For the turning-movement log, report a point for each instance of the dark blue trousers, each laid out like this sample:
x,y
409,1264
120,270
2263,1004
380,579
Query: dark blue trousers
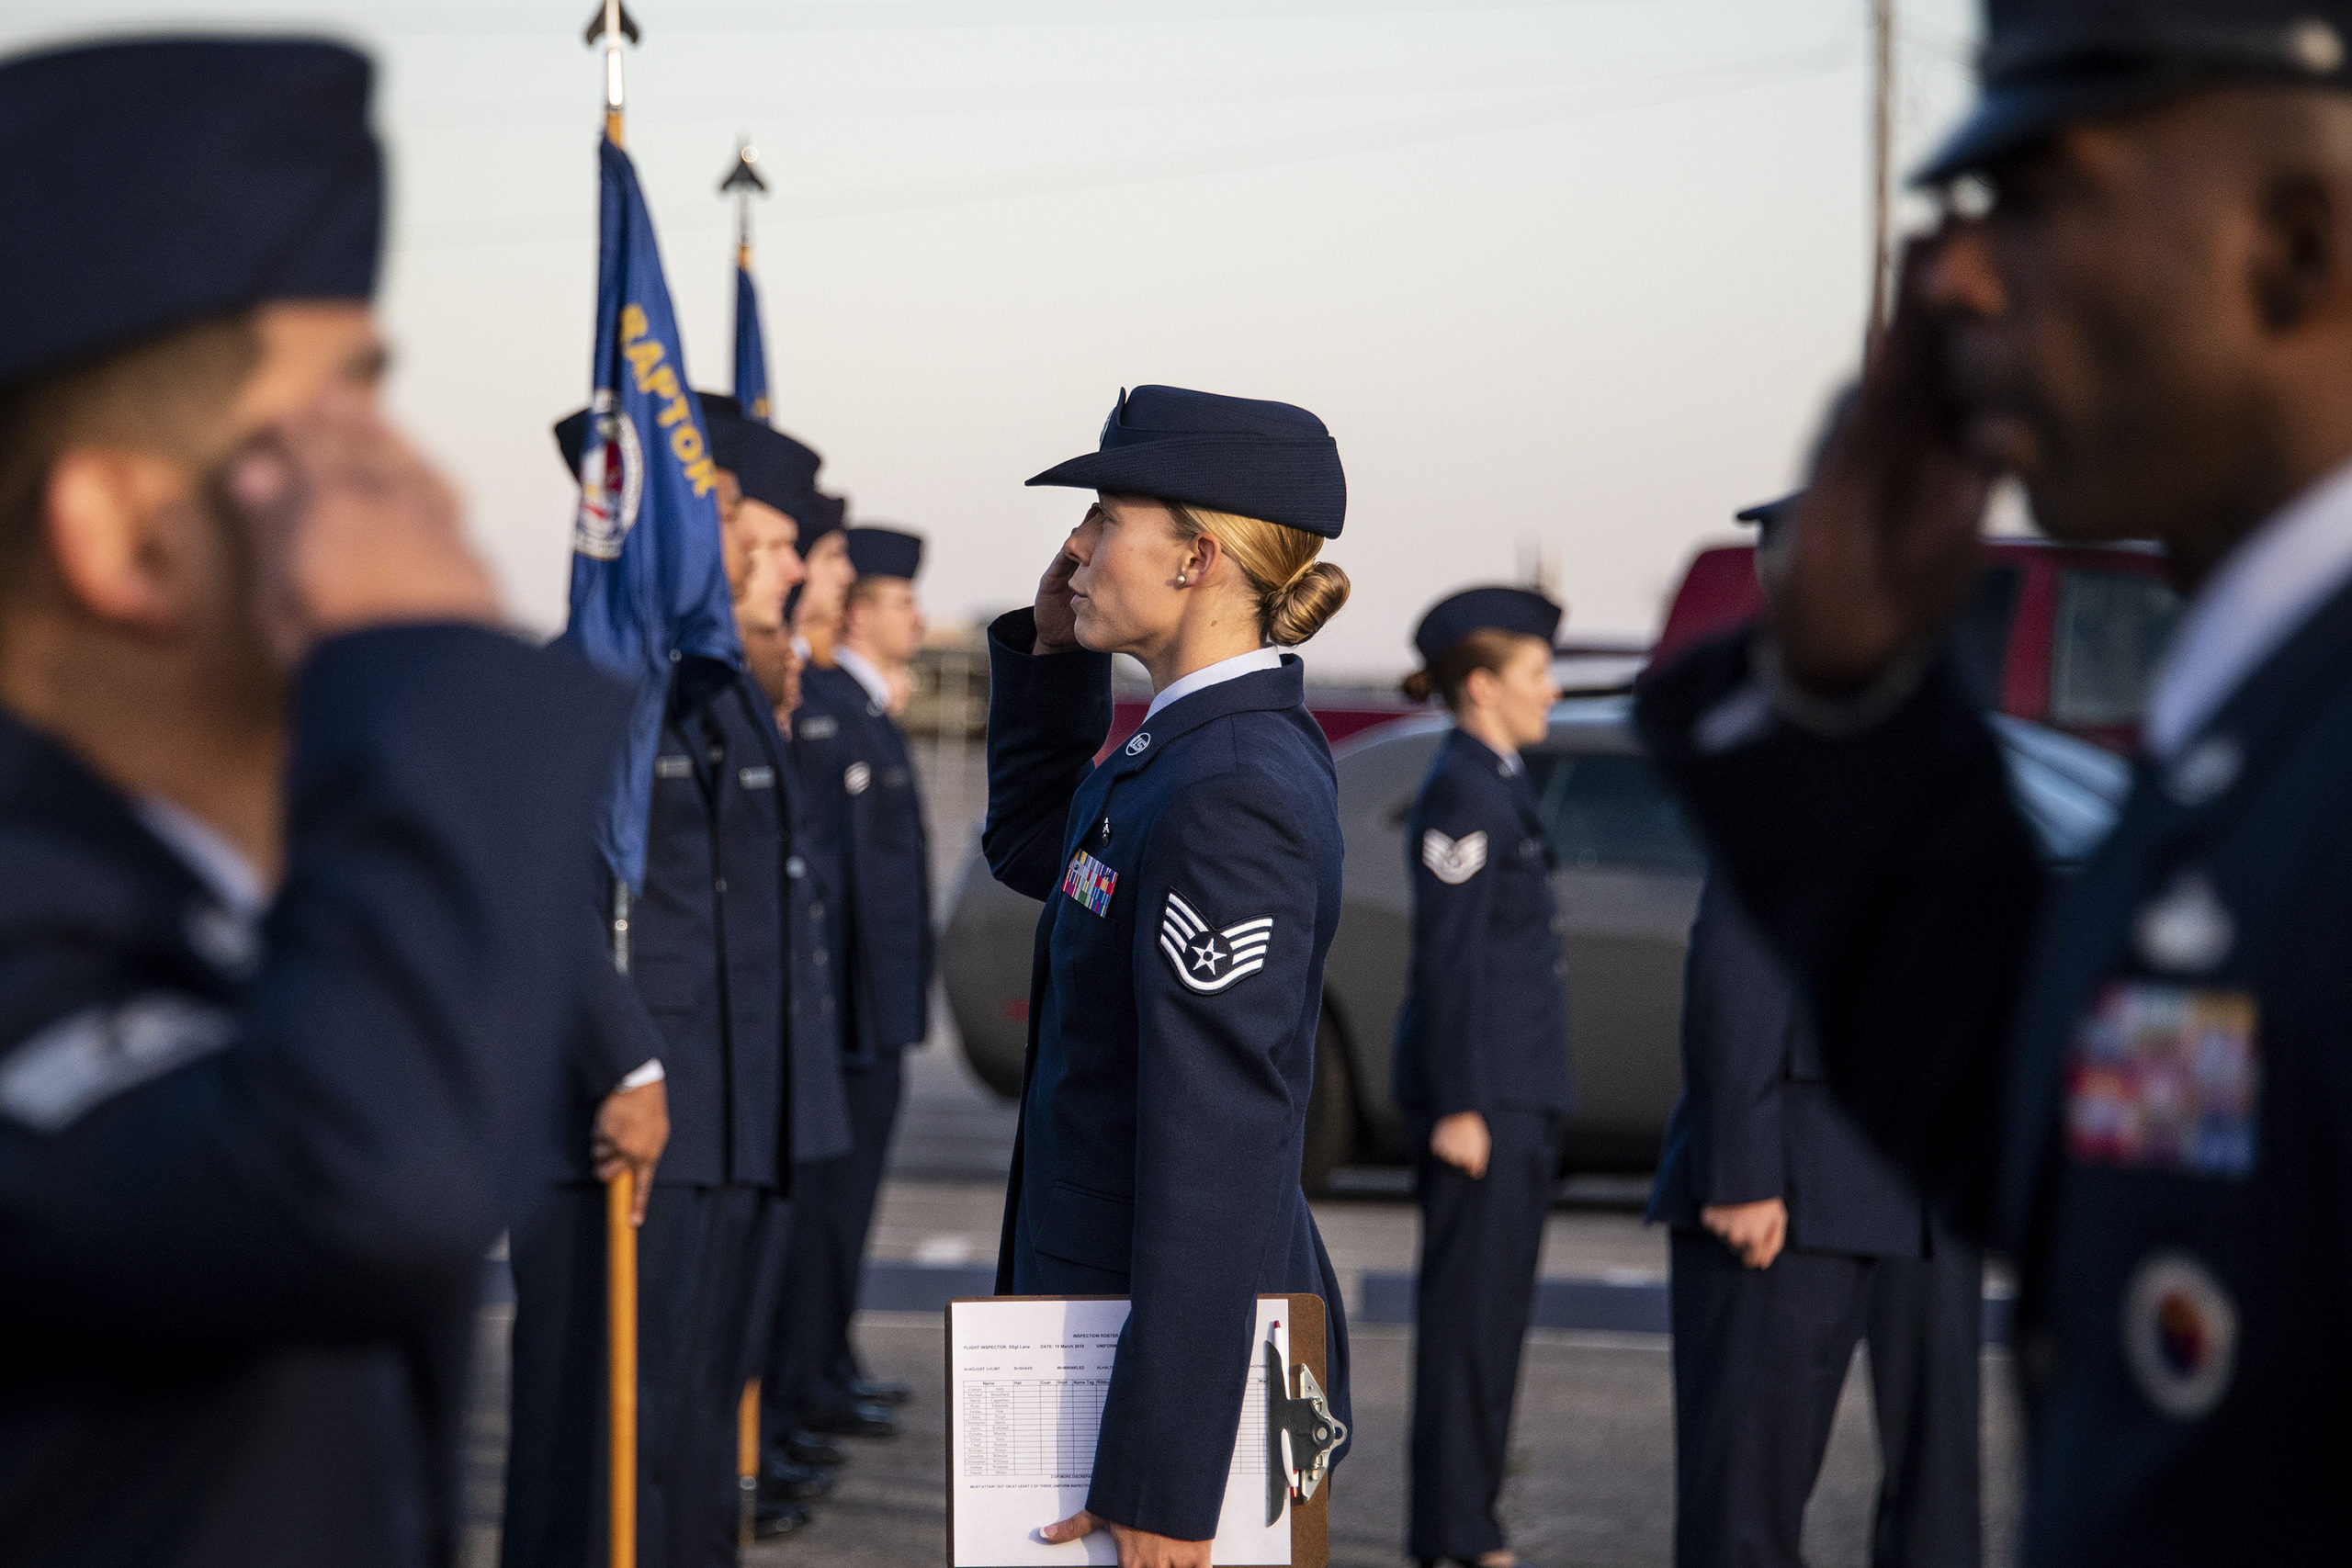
x,y
695,1263
1481,1242
811,1364
1760,1357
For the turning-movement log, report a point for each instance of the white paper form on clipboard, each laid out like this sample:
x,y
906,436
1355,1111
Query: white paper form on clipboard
x,y
1027,1378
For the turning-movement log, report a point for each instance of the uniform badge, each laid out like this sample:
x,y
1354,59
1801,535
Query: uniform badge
x,y
230,942
2180,1334
856,777
1139,745
2188,930
2206,772
1453,860
673,767
755,778
2166,1078
817,727
1208,960
1089,882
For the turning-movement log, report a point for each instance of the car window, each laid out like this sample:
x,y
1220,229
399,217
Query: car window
x,y
2111,627
1608,809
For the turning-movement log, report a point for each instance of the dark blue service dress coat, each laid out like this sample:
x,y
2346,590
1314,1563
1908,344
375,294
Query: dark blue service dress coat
x,y
1484,1025
1191,885
2137,1082
247,1177
1756,1119
862,786
709,936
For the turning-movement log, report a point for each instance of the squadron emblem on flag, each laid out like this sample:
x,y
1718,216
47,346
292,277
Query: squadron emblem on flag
x,y
612,481
1453,860
1208,960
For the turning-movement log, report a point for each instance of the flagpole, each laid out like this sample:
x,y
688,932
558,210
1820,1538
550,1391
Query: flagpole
x,y
614,24
743,182
612,20
1882,155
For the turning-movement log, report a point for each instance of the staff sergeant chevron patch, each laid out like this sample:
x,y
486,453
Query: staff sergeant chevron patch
x,y
1453,860
1209,960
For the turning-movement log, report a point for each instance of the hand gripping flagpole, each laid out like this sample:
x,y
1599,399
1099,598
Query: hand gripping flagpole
x,y
612,23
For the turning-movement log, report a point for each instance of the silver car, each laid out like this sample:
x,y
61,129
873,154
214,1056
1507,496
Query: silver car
x,y
1628,880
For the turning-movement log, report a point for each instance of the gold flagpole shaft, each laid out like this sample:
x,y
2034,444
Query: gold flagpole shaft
x,y
620,1252
747,1455
620,1314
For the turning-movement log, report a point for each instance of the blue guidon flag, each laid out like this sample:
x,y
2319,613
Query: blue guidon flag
x,y
751,359
649,584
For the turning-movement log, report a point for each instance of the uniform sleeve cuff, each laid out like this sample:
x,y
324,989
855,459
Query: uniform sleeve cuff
x,y
650,1072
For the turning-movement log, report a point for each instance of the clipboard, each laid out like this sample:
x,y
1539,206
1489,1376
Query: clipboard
x,y
1026,1415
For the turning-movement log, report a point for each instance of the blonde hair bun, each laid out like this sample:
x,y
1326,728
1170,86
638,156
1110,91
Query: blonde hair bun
x,y
1297,610
1296,593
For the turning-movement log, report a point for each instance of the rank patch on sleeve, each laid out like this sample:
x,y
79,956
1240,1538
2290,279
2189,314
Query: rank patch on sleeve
x,y
2166,1078
1208,960
1091,882
1453,860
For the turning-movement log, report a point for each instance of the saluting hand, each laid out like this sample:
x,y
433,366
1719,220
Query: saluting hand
x,y
1056,617
1137,1549
349,528
1883,548
1755,1232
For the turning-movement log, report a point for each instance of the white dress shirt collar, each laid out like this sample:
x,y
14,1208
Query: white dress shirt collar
x,y
1209,675
876,685
217,863
2266,587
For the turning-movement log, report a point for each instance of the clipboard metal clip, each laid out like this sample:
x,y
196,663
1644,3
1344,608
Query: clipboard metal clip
x,y
1301,1432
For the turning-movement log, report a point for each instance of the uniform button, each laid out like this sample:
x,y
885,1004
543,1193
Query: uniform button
x,y
720,886
796,868
816,911
820,958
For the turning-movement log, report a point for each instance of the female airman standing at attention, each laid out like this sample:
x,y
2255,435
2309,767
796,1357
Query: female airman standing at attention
x,y
1481,1062
1191,885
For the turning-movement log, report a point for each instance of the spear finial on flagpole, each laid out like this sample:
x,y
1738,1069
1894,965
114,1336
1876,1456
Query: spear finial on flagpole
x,y
612,23
744,180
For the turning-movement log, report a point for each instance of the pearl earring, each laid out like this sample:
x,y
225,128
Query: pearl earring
x,y
1180,579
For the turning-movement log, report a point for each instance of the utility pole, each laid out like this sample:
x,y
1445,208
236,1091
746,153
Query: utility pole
x,y
1882,156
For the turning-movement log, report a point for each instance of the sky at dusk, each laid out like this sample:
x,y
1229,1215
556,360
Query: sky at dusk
x,y
1569,282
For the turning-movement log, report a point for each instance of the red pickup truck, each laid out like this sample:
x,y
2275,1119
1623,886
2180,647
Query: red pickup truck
x,y
2064,635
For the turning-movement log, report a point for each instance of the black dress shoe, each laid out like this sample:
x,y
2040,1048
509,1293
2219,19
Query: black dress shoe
x,y
784,1481
856,1419
806,1447
770,1520
880,1391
